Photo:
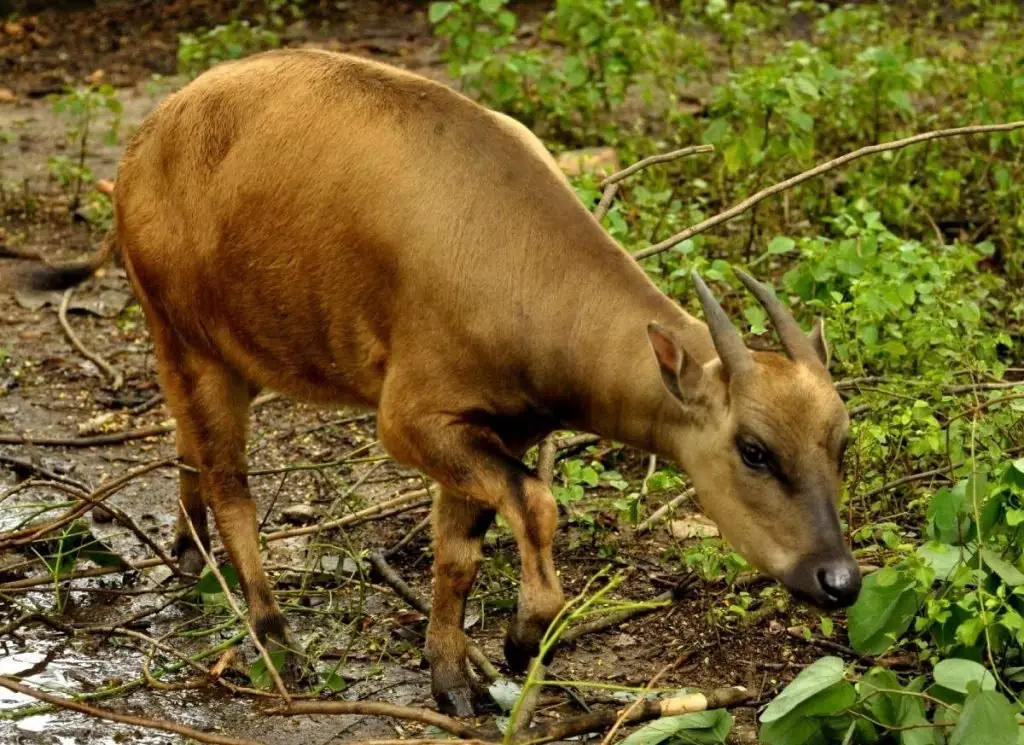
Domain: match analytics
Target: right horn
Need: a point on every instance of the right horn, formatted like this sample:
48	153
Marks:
735	356
796	343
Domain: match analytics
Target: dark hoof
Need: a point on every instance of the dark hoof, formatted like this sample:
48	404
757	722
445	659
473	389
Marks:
295	671
458	702
518	654
190	560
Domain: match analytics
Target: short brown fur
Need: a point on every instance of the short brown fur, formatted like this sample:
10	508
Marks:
348	233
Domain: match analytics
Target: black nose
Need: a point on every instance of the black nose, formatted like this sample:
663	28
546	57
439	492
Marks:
840	582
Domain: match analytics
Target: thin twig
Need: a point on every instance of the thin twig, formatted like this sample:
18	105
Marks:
376	512
243	617
789	183
30	467
408	538
381	709
642	697
92	711
389	575
116	379
617	618
607	197
653	160
659	513
564	729
113	438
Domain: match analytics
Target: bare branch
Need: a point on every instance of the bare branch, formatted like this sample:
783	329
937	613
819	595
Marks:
110	716
789	183
654	160
389	575
116	379
381	709
720	698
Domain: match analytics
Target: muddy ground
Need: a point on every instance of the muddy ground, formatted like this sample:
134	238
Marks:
47	389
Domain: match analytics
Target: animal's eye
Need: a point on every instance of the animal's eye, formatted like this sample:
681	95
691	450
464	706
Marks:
754	455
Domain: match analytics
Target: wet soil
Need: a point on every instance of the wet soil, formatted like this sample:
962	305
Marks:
359	625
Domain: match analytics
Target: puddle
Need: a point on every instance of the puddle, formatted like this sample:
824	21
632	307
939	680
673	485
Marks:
64	672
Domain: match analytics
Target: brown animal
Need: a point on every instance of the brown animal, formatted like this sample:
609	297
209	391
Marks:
349	233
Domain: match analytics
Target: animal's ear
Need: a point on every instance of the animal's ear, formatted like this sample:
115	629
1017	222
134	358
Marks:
820	344
679	371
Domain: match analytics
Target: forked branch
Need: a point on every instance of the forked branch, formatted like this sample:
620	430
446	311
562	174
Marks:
789	183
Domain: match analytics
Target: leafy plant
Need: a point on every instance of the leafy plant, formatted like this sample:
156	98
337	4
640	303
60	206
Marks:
203	49
84	109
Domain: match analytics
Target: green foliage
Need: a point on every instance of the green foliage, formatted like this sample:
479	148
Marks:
233	40
822	705
699	728
85	110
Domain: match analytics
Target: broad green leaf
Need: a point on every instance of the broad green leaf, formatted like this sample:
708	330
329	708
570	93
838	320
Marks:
986	719
699	728
491	6
808	720
941	557
1007	572
781	244
882	613
811	681
260	676
439	11
956	673
209	585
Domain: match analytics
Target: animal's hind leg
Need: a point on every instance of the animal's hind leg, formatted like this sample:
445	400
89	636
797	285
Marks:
459	528
211	405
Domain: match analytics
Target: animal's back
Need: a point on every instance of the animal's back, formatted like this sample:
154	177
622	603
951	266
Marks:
279	211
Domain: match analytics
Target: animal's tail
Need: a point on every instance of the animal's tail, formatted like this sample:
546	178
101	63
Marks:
45	277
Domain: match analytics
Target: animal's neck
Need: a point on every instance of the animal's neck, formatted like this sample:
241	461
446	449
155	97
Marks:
616	385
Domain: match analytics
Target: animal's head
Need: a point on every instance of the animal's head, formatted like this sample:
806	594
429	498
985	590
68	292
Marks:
766	456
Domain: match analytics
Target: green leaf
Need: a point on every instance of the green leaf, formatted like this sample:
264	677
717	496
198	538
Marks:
1007	572
941	557
986	719
209	585
781	244
439	11
490	7
956	673
808	720
882	613
699	728
811	681
260	676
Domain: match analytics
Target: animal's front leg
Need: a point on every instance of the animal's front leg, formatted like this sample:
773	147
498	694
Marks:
459	528
471	464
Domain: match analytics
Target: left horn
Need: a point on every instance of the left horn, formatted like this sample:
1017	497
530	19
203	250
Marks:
796	343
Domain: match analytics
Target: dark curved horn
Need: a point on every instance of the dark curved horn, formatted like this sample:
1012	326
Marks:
735	356
796	343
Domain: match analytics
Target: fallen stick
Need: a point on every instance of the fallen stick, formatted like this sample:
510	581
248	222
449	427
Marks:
662	511
375	512
111	716
607	739
116	379
389	575
114	438
408	537
789	183
28	466
721	698
617	618
100	493
381	709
